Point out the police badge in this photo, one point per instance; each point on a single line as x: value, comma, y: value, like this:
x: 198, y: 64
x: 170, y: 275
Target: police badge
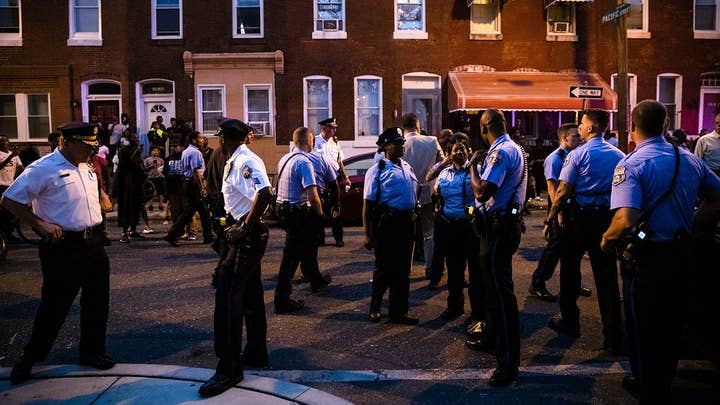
x: 618, y: 175
x: 494, y: 157
x: 247, y: 172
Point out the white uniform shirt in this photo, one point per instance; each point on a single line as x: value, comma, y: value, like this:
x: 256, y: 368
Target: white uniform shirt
x: 245, y: 174
x: 7, y: 173
x: 331, y: 150
x: 60, y: 192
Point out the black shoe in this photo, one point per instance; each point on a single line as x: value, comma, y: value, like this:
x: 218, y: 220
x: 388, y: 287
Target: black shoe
x: 101, y: 362
x: 434, y: 285
x: 542, y: 293
x: 135, y: 235
x: 321, y: 283
x: 404, y: 320
x: 339, y: 244
x: 289, y: 306
x: 450, y: 314
x: 172, y: 241
x: 208, y: 239
x: 375, y: 317
x: 502, y: 377
x: 217, y: 384
x: 561, y: 326
x: 481, y: 343
x: 630, y: 384
x: 21, y: 371
x: 585, y: 292
x: 124, y: 238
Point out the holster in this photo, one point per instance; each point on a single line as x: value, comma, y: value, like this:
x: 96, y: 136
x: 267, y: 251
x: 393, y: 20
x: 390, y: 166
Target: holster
x: 291, y: 215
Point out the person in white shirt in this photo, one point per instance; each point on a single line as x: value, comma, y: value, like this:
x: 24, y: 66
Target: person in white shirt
x: 707, y: 147
x: 326, y: 143
x: 10, y: 167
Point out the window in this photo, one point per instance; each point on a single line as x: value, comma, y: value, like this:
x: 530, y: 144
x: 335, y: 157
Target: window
x: 317, y: 100
x: 561, y: 22
x: 669, y: 92
x: 25, y: 116
x: 485, y: 20
x: 258, y: 108
x: 10, y: 22
x: 368, y: 106
x: 85, y: 23
x: 706, y: 17
x: 248, y: 19
x: 329, y: 19
x: 166, y: 16
x: 637, y: 20
x: 211, y: 107
x: 410, y: 19
x: 632, y: 97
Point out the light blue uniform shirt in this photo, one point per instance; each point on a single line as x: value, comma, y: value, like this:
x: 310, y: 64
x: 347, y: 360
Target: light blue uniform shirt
x: 456, y: 190
x: 294, y: 180
x: 589, y: 168
x: 553, y: 164
x: 504, y: 166
x: 641, y: 178
x: 398, y: 185
x: 324, y: 173
x: 192, y: 160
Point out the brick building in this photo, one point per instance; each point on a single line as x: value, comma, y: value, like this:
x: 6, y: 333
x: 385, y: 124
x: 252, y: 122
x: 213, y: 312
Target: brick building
x: 279, y: 64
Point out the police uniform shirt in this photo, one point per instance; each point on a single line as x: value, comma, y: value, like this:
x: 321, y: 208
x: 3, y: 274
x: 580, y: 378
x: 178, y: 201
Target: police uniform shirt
x: 708, y: 149
x: 398, y: 185
x: 642, y: 177
x: 456, y: 190
x: 504, y: 166
x: 589, y: 168
x: 244, y: 175
x: 7, y: 173
x: 60, y: 192
x: 324, y: 173
x: 192, y: 159
x: 553, y: 164
x: 298, y: 175
x: 331, y: 150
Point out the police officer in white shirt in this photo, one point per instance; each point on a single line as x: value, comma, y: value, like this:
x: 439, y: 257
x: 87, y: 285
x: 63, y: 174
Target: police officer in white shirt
x: 247, y: 192
x: 63, y: 191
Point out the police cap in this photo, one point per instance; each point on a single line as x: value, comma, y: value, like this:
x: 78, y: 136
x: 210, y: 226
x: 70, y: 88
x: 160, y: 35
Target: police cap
x: 80, y: 131
x: 390, y: 135
x: 328, y: 122
x: 234, y: 128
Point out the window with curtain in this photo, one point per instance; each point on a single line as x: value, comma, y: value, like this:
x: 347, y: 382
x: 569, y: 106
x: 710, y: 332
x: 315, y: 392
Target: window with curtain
x: 485, y: 18
x: 258, y: 113
x: 248, y: 21
x: 706, y: 15
x: 167, y: 18
x: 212, y: 107
x: 317, y: 101
x: 38, y: 116
x: 8, y: 116
x: 368, y: 106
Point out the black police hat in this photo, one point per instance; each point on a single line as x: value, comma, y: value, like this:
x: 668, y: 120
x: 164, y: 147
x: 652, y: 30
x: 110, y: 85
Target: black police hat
x: 232, y: 126
x: 328, y: 122
x: 390, y: 135
x: 80, y: 131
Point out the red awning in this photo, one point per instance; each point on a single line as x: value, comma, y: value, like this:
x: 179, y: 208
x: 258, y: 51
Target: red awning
x: 549, y: 3
x: 525, y: 91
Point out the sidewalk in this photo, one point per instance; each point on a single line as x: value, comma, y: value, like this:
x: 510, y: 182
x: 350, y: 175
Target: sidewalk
x: 148, y: 384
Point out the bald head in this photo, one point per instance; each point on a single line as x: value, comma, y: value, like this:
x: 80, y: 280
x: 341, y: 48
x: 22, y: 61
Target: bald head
x: 303, y: 138
x: 493, y: 121
x: 648, y: 118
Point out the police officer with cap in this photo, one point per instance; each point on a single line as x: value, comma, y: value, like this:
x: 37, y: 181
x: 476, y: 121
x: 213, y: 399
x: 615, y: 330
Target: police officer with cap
x: 239, y: 292
x: 64, y: 194
x: 499, y: 186
x: 584, y: 196
x: 326, y: 143
x: 390, y: 201
x: 654, y: 190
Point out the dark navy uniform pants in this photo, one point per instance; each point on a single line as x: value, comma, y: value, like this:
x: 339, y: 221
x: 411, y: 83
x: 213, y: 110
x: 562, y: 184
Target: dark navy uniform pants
x: 329, y: 200
x: 301, y: 248
x: 550, y: 257
x: 394, y: 237
x: 192, y: 203
x: 582, y: 234
x: 497, y: 246
x: 239, y: 297
x: 73, y: 264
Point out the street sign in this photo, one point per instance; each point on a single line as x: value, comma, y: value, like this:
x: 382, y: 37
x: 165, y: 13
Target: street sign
x: 618, y: 12
x: 586, y: 92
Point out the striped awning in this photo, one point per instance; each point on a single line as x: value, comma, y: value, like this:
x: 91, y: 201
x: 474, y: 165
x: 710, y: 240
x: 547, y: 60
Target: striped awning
x: 549, y: 3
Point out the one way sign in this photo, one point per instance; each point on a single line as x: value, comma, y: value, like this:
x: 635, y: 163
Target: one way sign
x: 586, y: 92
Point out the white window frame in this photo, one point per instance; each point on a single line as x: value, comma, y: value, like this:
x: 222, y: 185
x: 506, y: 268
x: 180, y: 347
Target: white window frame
x: 487, y: 36
x: 707, y: 34
x: 305, y: 97
x: 370, y: 139
x: 339, y: 34
x: 153, y: 21
x: 571, y: 35
x: 13, y: 39
x: 22, y: 116
x: 235, y: 26
x: 678, y: 95
x: 84, y: 38
x: 271, y: 113
x: 223, y: 97
x: 632, y: 96
x: 410, y: 34
x: 644, y: 32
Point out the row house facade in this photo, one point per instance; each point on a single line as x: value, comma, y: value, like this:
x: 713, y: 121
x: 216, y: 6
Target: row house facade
x: 280, y: 64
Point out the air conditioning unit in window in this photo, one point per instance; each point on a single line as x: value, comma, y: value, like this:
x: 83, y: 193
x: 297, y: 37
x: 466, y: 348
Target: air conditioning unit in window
x: 260, y: 128
x: 330, y: 25
x: 561, y: 26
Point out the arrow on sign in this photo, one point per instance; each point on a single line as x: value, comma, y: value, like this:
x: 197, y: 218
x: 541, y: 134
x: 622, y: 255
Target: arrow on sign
x: 586, y: 92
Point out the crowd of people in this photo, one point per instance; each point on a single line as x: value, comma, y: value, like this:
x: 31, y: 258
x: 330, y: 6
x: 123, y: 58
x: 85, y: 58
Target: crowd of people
x: 462, y: 208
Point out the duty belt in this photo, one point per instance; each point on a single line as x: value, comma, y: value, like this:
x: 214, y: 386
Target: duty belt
x: 87, y: 233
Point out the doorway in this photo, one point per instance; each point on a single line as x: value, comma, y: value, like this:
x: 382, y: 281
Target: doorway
x: 105, y: 112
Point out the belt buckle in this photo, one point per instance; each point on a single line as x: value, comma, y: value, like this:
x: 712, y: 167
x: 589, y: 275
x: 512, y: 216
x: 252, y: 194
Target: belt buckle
x: 87, y: 233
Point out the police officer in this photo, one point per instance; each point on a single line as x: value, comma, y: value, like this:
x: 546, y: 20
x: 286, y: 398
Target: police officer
x: 239, y: 293
x: 326, y: 179
x: 64, y: 194
x: 584, y: 196
x: 390, y: 201
x: 655, y: 263
x: 326, y: 143
x: 499, y: 186
x: 299, y: 211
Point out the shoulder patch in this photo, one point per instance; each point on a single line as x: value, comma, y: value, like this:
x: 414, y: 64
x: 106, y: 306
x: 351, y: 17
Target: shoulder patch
x: 618, y: 175
x: 246, y: 172
x: 566, y: 161
x: 494, y: 157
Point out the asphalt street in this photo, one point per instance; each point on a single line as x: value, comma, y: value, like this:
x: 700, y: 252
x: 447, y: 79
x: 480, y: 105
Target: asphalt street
x: 161, y: 308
